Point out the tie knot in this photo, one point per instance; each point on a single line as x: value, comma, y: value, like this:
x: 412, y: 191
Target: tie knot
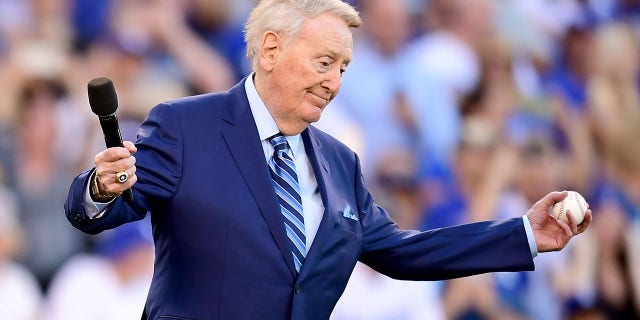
x: 279, y: 143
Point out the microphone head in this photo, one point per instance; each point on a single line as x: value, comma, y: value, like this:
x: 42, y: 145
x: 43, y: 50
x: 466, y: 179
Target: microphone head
x: 102, y: 96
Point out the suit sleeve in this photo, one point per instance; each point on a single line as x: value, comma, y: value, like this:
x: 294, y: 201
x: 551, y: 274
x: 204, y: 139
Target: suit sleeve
x: 159, y: 169
x: 438, y: 254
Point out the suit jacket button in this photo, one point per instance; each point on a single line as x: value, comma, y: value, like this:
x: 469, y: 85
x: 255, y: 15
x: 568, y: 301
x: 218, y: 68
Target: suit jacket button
x: 77, y: 218
x: 297, y: 289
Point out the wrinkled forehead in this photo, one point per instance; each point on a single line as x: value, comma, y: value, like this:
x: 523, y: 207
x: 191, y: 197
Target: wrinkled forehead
x: 327, y: 32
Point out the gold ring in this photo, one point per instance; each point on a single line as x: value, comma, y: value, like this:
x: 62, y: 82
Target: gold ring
x: 122, y: 177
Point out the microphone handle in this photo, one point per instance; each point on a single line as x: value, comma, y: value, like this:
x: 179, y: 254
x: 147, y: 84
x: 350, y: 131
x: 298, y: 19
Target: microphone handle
x: 112, y: 138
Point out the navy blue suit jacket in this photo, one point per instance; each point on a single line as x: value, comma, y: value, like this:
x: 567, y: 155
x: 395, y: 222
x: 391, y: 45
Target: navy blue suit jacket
x: 220, y: 243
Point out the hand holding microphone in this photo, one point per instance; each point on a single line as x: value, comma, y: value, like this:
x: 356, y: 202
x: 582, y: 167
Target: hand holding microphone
x: 115, y: 167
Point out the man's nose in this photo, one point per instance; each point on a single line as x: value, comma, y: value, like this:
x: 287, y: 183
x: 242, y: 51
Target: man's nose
x: 333, y: 81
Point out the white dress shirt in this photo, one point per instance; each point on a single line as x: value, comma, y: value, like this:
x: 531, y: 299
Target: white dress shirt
x: 312, y: 206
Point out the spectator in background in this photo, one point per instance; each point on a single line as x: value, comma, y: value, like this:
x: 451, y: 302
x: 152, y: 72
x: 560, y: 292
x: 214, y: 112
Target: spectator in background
x: 445, y: 67
x: 20, y: 295
x: 567, y: 79
x: 89, y: 21
x: 448, y: 50
x: 613, y: 91
x: 601, y: 278
x: 112, y: 283
x: 214, y: 22
x: 617, y: 291
x: 469, y: 185
x: 158, y: 32
x: 38, y: 174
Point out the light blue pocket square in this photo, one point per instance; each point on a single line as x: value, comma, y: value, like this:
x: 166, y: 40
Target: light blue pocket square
x: 347, y: 213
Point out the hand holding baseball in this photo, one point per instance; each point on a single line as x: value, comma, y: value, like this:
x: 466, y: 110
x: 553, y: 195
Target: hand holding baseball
x: 574, y: 203
x: 552, y: 233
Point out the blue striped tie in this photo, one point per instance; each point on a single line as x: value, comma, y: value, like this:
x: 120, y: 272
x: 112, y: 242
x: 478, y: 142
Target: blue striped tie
x: 285, y: 182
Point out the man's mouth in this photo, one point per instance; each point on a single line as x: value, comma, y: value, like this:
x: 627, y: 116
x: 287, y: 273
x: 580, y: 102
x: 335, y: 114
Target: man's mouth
x: 323, y: 101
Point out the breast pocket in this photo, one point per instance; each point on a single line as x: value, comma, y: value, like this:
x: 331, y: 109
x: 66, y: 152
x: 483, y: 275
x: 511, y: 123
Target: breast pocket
x: 350, y: 220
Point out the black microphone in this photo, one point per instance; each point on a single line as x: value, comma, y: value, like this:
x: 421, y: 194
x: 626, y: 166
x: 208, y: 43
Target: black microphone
x: 104, y: 102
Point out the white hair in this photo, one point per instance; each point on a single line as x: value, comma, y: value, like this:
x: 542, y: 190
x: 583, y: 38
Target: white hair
x: 286, y: 17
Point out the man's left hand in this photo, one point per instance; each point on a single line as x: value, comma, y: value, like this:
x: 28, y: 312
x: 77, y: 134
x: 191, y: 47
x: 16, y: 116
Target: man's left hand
x: 552, y: 234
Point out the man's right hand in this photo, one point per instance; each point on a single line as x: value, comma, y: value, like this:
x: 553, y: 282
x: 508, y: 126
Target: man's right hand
x: 109, y: 163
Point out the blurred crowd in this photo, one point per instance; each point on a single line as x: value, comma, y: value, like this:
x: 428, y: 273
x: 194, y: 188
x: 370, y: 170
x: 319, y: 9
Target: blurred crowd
x: 461, y: 110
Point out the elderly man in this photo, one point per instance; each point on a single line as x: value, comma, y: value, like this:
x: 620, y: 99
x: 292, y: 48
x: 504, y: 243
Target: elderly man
x: 258, y: 215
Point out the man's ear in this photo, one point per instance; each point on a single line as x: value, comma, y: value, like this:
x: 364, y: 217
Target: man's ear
x: 269, y: 50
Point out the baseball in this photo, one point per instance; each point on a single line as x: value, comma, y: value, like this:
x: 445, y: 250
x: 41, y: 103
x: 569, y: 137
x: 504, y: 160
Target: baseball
x: 575, y: 203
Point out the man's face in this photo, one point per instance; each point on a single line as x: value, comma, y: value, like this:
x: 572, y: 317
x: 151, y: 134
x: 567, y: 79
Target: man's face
x: 306, y: 72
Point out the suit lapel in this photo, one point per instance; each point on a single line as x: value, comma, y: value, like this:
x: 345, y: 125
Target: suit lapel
x: 243, y: 141
x: 322, y: 171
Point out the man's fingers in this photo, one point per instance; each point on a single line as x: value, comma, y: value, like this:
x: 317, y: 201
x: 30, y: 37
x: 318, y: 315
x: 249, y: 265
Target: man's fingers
x: 120, y: 165
x: 550, y: 199
x: 131, y: 180
x: 115, y: 166
x: 588, y: 217
x: 111, y: 162
x: 565, y: 227
x: 110, y: 183
x: 572, y: 222
x: 112, y: 154
x: 130, y: 146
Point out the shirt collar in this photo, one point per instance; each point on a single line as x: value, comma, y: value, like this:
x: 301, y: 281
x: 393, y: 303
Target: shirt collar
x: 267, y: 127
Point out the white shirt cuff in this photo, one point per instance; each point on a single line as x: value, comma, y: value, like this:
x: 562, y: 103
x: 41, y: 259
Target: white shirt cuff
x: 530, y: 238
x: 93, y: 209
